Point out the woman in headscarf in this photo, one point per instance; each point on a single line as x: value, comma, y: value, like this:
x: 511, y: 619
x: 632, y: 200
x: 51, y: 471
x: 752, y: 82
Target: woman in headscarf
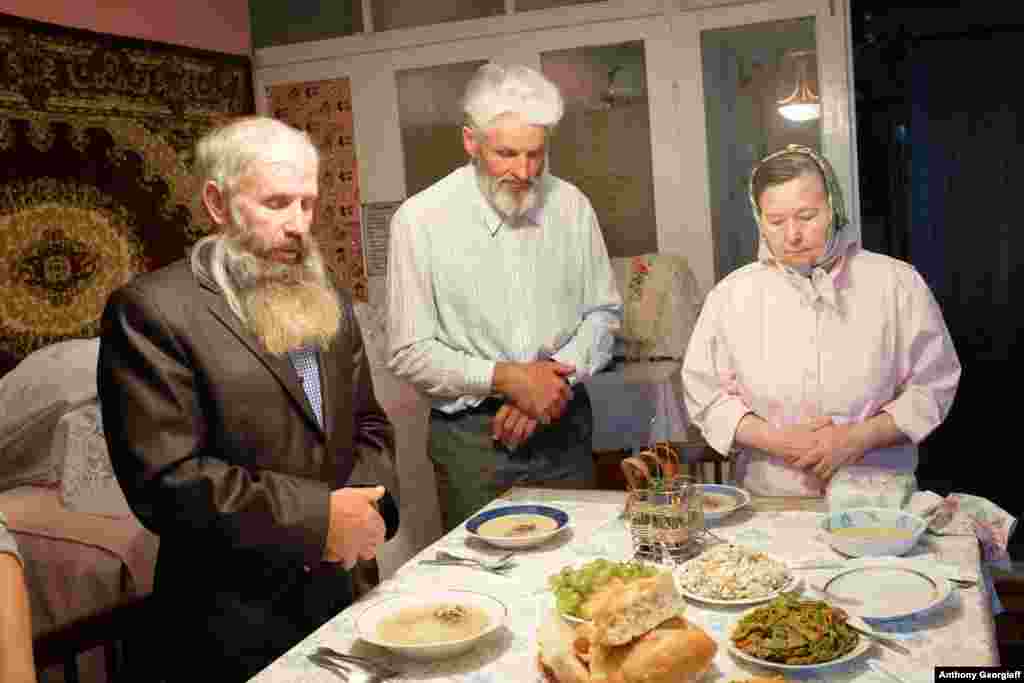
x: 820, y: 356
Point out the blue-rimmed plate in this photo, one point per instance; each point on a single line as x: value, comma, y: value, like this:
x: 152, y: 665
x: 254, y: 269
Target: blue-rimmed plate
x: 517, y: 526
x: 719, y: 500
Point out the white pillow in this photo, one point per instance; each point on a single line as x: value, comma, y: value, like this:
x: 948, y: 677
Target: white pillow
x: 87, y: 481
x: 65, y: 371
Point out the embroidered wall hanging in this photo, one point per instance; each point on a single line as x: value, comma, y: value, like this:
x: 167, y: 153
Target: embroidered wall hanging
x: 96, y: 141
x: 324, y: 110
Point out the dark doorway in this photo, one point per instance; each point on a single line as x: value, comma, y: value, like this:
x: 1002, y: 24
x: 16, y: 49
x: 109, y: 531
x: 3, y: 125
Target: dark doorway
x: 940, y: 165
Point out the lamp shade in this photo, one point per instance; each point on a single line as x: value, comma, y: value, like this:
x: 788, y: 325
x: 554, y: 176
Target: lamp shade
x: 803, y: 104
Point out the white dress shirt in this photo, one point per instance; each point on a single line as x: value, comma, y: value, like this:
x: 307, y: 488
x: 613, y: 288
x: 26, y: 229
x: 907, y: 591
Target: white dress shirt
x: 466, y: 288
x: 865, y: 338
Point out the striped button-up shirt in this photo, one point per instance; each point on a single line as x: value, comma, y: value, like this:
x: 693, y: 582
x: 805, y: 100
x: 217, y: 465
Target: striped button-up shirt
x: 467, y: 288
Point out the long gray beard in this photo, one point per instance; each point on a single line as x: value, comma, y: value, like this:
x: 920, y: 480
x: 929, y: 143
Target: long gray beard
x: 285, y: 306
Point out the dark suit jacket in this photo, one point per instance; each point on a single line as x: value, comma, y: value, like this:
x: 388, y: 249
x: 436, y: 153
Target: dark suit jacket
x: 219, y: 451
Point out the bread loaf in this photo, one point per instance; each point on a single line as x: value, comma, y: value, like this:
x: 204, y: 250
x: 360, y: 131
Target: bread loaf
x: 634, y: 609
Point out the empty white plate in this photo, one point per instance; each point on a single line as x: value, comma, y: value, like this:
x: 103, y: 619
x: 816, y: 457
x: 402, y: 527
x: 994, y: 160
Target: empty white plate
x: 888, y: 592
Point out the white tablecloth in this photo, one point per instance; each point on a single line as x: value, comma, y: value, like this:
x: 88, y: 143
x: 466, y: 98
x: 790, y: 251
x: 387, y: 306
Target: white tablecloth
x: 960, y: 632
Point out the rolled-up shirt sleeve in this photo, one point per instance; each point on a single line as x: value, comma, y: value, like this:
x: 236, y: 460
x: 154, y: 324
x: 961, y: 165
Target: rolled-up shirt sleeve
x: 709, y: 405
x: 590, y: 348
x: 929, y: 369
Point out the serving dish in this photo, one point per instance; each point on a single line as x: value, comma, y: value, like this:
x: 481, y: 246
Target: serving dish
x: 724, y: 500
x: 863, y: 645
x: 791, y: 584
x: 886, y: 591
x: 477, y: 526
x: 370, y: 618
x: 888, y: 531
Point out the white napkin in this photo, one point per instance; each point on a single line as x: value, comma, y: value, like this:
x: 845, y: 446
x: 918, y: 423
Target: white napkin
x: 965, y: 515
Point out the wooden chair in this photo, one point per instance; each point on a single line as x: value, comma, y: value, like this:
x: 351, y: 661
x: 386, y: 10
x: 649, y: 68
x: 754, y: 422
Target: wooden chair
x: 707, y: 466
x: 707, y: 459
x: 110, y: 630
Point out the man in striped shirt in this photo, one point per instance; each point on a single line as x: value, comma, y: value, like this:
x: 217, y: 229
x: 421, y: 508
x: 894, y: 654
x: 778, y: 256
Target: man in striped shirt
x: 501, y: 298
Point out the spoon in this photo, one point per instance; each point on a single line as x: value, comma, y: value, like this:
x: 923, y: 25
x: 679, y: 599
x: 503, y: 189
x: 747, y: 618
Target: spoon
x: 490, y: 564
x: 503, y: 562
x: 879, y: 638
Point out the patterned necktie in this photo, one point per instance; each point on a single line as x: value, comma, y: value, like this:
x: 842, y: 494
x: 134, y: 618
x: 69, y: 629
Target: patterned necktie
x: 305, y: 363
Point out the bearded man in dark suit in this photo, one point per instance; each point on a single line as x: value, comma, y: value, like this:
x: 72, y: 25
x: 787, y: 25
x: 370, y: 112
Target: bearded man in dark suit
x: 240, y: 417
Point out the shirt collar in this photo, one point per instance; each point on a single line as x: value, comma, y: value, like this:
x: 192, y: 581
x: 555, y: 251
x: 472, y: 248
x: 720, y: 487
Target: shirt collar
x: 821, y: 285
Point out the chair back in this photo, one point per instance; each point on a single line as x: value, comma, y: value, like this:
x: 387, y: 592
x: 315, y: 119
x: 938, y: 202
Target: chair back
x: 708, y: 466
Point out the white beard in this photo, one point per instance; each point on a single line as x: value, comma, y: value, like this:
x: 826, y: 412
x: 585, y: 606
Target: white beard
x: 286, y: 306
x: 510, y: 204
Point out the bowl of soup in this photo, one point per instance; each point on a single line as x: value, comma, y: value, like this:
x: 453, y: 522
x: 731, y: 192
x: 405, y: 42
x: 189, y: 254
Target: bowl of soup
x: 517, y: 526
x: 873, y: 532
x: 431, y: 626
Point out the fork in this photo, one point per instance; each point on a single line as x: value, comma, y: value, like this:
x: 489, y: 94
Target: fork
x: 380, y: 668
x: 504, y: 559
x: 503, y: 562
x: 335, y: 667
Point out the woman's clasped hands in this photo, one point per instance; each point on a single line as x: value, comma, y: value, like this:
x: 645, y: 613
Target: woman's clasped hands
x: 819, y: 445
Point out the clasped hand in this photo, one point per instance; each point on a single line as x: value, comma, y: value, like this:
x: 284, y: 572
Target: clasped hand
x: 355, y: 529
x: 819, y: 445
x: 538, y: 389
x: 537, y: 393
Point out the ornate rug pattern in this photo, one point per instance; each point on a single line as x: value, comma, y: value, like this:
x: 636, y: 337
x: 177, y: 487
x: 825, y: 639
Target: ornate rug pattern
x: 96, y: 141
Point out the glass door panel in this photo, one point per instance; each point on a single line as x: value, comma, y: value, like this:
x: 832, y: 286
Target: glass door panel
x: 603, y: 144
x: 430, y: 121
x: 750, y: 71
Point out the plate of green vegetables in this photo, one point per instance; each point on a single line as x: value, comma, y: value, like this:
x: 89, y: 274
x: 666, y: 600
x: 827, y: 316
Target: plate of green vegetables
x: 791, y: 633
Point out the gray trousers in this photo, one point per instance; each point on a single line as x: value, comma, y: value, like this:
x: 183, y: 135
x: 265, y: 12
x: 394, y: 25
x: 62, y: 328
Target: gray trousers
x: 472, y: 469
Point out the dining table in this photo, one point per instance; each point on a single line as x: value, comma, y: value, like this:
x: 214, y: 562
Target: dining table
x: 958, y: 632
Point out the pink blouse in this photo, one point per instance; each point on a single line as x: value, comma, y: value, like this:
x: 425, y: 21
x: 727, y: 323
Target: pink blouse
x: 865, y: 338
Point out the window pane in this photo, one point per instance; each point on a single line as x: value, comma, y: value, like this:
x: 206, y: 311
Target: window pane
x: 603, y: 145
x: 747, y: 71
x: 391, y: 14
x: 430, y: 116
x: 527, y: 5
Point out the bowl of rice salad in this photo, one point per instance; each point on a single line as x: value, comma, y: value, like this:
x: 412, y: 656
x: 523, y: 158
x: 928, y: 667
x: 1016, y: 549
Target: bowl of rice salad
x: 728, y: 574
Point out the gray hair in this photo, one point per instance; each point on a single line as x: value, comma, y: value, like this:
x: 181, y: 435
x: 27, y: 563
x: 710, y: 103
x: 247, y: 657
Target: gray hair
x: 496, y: 89
x: 224, y: 154
x: 218, y: 270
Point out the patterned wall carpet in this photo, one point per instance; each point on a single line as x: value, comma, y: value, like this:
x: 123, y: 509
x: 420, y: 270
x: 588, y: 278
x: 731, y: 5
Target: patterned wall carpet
x: 96, y: 138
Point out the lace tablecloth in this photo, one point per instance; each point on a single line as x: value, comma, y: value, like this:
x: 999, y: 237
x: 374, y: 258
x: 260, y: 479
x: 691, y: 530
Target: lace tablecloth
x: 959, y: 632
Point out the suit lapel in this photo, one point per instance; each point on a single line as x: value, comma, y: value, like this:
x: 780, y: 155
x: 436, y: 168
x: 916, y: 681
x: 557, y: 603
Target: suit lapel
x: 280, y: 367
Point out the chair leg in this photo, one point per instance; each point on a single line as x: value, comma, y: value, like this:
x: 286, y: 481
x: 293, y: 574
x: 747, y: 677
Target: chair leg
x: 71, y: 669
x: 111, y: 661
